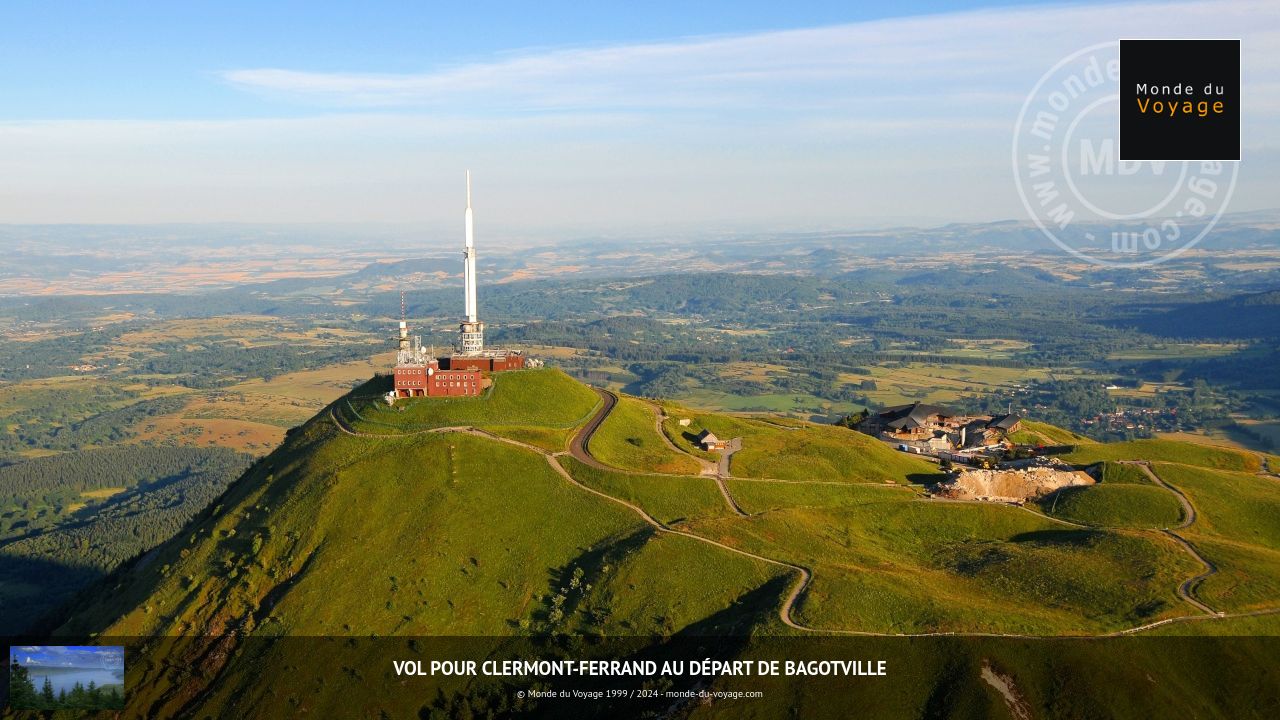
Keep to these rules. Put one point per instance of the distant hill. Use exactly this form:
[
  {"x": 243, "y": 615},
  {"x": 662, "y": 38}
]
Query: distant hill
[{"x": 1254, "y": 315}]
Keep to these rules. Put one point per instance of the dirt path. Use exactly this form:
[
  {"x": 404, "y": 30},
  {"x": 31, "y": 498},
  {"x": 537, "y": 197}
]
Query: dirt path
[
  {"x": 1189, "y": 585},
  {"x": 1266, "y": 469},
  {"x": 705, "y": 466},
  {"x": 803, "y": 574},
  {"x": 731, "y": 447}
]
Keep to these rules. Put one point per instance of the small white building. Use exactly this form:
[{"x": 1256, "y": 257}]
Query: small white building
[{"x": 708, "y": 441}]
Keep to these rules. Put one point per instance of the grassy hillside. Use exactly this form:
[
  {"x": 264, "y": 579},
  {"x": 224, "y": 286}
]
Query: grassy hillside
[
  {"x": 668, "y": 499},
  {"x": 544, "y": 398},
  {"x": 886, "y": 560},
  {"x": 1237, "y": 529},
  {"x": 1115, "y": 473},
  {"x": 627, "y": 439},
  {"x": 803, "y": 451},
  {"x": 1118, "y": 505},
  {"x": 408, "y": 533},
  {"x": 1037, "y": 433},
  {"x": 413, "y": 560},
  {"x": 1166, "y": 451},
  {"x": 1234, "y": 506},
  {"x": 758, "y": 496},
  {"x": 341, "y": 535}
]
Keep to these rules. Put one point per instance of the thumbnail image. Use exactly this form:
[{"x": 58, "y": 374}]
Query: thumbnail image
[{"x": 66, "y": 677}]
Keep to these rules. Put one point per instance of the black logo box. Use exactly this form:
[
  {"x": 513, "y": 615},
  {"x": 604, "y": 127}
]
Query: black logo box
[{"x": 1205, "y": 73}]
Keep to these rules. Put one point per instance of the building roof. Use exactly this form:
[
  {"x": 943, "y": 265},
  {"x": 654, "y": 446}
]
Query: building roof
[
  {"x": 907, "y": 417},
  {"x": 706, "y": 436},
  {"x": 1004, "y": 422}
]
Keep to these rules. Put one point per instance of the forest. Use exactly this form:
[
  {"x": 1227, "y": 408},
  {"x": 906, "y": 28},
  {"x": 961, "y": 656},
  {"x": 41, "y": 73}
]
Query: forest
[
  {"x": 23, "y": 694},
  {"x": 68, "y": 519}
]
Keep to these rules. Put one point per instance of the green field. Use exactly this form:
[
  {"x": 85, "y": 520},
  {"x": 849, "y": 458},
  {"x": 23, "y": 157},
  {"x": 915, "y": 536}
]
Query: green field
[
  {"x": 898, "y": 383},
  {"x": 1119, "y": 505},
  {"x": 758, "y": 496},
  {"x": 1180, "y": 351},
  {"x": 1116, "y": 473},
  {"x": 627, "y": 439}
]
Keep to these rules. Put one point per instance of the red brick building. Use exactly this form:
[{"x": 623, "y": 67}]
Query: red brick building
[
  {"x": 428, "y": 380},
  {"x": 490, "y": 361}
]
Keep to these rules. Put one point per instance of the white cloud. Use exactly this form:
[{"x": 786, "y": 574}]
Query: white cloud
[
  {"x": 961, "y": 56},
  {"x": 901, "y": 120}
]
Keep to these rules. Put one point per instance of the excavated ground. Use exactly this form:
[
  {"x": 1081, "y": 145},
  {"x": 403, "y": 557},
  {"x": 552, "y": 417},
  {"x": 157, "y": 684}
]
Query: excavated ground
[{"x": 1012, "y": 486}]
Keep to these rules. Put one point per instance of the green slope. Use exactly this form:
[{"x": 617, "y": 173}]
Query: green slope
[
  {"x": 800, "y": 451},
  {"x": 668, "y": 499},
  {"x": 1237, "y": 529},
  {"x": 408, "y": 532},
  {"x": 627, "y": 439},
  {"x": 1167, "y": 451},
  {"x": 1118, "y": 505},
  {"x": 380, "y": 535},
  {"x": 885, "y": 560},
  {"x": 544, "y": 398}
]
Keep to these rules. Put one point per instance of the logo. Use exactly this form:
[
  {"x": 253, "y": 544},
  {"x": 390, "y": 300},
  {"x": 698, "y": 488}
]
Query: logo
[{"x": 1082, "y": 196}]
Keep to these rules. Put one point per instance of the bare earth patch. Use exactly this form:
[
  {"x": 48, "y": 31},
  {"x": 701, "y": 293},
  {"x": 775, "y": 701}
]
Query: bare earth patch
[{"x": 1012, "y": 486}]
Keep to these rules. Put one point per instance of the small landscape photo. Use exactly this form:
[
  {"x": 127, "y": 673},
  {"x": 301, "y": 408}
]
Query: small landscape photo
[{"x": 74, "y": 677}]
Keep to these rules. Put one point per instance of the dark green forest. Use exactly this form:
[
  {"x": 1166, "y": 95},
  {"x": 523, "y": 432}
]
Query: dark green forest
[
  {"x": 49, "y": 551},
  {"x": 23, "y": 694}
]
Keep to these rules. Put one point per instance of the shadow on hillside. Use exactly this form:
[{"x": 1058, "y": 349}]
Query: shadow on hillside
[
  {"x": 926, "y": 478},
  {"x": 1074, "y": 538},
  {"x": 746, "y": 613},
  {"x": 1048, "y": 500},
  {"x": 587, "y": 570},
  {"x": 690, "y": 438},
  {"x": 35, "y": 590}
]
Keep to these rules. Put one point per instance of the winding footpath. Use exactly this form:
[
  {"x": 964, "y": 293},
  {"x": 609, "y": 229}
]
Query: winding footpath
[
  {"x": 1188, "y": 586},
  {"x": 579, "y": 449},
  {"x": 722, "y": 468}
]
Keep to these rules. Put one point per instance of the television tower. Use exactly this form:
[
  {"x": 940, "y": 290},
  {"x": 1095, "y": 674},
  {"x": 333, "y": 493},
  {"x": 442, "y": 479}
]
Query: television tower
[{"x": 471, "y": 331}]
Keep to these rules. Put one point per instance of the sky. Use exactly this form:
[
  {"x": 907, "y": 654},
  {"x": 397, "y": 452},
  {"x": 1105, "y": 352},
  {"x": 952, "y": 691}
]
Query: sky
[
  {"x": 109, "y": 657},
  {"x": 574, "y": 118}
]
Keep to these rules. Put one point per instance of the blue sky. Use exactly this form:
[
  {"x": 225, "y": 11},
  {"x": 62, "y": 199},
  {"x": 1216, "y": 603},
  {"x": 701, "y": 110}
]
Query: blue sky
[
  {"x": 106, "y": 656},
  {"x": 576, "y": 118},
  {"x": 147, "y": 60}
]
